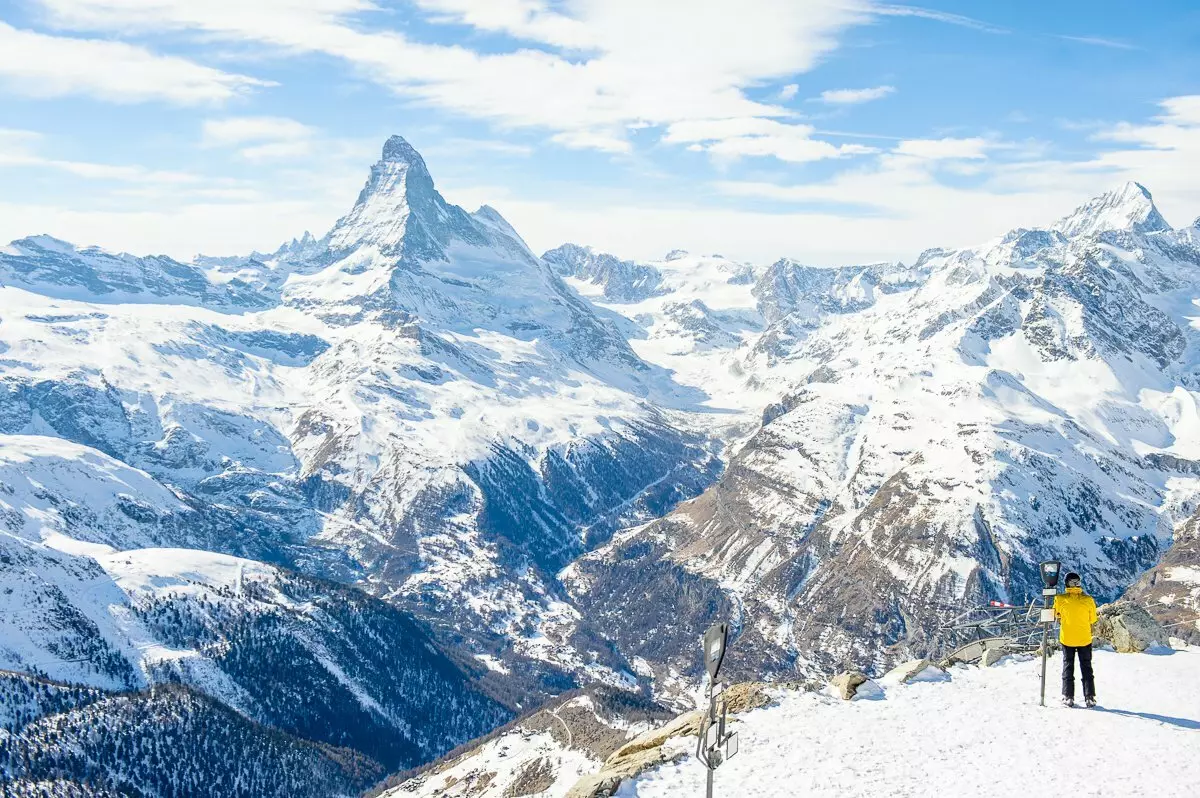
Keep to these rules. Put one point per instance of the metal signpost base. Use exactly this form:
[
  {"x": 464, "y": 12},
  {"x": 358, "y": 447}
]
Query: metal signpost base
[
  {"x": 713, "y": 736},
  {"x": 1049, "y": 571}
]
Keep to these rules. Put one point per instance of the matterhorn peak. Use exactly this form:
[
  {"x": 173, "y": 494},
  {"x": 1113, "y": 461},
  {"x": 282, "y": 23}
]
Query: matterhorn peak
[
  {"x": 397, "y": 150},
  {"x": 1130, "y": 207},
  {"x": 399, "y": 188}
]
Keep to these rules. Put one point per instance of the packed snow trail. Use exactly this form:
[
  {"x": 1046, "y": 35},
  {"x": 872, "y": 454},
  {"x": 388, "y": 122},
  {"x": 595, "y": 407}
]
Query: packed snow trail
[{"x": 982, "y": 733}]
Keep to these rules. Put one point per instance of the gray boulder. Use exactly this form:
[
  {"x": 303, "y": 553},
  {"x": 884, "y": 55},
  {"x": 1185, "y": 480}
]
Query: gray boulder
[
  {"x": 1128, "y": 627},
  {"x": 917, "y": 670},
  {"x": 853, "y": 684}
]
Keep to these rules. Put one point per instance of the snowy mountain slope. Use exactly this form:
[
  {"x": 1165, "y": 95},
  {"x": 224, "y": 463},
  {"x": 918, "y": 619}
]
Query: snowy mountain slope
[
  {"x": 73, "y": 741},
  {"x": 86, "y": 597},
  {"x": 984, "y": 727},
  {"x": 550, "y": 749},
  {"x": 414, "y": 401},
  {"x": 489, "y": 441},
  {"x": 1033, "y": 397},
  {"x": 687, "y": 314},
  {"x": 56, "y": 268}
]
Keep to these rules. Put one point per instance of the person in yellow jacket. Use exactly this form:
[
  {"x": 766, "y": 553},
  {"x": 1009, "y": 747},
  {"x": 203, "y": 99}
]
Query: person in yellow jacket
[{"x": 1076, "y": 612}]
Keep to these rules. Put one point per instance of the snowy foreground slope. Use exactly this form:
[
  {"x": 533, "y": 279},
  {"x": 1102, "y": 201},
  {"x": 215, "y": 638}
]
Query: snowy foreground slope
[
  {"x": 978, "y": 732},
  {"x": 982, "y": 728}
]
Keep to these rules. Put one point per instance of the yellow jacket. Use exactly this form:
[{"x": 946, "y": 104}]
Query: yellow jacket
[{"x": 1076, "y": 611}]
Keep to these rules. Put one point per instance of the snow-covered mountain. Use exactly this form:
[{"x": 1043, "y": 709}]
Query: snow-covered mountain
[
  {"x": 414, "y": 404},
  {"x": 412, "y": 452},
  {"x": 943, "y": 426},
  {"x": 415, "y": 401}
]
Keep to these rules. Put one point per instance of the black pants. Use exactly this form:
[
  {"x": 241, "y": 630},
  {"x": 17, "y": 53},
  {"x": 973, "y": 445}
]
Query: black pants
[{"x": 1085, "y": 669}]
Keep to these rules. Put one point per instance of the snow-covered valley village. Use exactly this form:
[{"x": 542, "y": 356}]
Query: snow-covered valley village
[{"x": 408, "y": 509}]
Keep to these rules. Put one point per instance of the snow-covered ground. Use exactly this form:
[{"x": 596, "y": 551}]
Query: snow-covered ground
[{"x": 981, "y": 733}]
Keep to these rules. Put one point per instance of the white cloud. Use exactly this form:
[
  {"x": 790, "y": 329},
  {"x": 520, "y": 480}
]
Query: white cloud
[
  {"x": 621, "y": 63},
  {"x": 912, "y": 208},
  {"x": 592, "y": 140},
  {"x": 21, "y": 149},
  {"x": 943, "y": 149},
  {"x": 39, "y": 65},
  {"x": 260, "y": 138},
  {"x": 463, "y": 146},
  {"x": 179, "y": 231},
  {"x": 246, "y": 129},
  {"x": 855, "y": 96},
  {"x": 789, "y": 92},
  {"x": 755, "y": 136}
]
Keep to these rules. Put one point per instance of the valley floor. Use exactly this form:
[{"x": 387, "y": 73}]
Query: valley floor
[{"x": 982, "y": 733}]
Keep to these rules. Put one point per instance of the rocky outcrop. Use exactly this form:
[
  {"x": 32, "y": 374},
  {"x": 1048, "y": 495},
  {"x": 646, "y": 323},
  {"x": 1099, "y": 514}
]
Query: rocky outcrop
[
  {"x": 636, "y": 756},
  {"x": 1129, "y": 628},
  {"x": 854, "y": 684},
  {"x": 650, "y": 749},
  {"x": 1170, "y": 591},
  {"x": 916, "y": 670}
]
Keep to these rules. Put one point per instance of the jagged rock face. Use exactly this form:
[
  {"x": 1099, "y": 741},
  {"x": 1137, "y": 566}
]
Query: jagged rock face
[
  {"x": 401, "y": 213},
  {"x": 56, "y": 268},
  {"x": 1129, "y": 208},
  {"x": 995, "y": 407},
  {"x": 1171, "y": 589},
  {"x": 620, "y": 280}
]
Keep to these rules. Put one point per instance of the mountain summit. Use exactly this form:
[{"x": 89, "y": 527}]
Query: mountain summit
[
  {"x": 1131, "y": 207},
  {"x": 401, "y": 213}
]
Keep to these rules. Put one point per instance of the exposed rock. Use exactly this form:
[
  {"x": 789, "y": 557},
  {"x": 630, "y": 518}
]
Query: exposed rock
[
  {"x": 1170, "y": 591},
  {"x": 747, "y": 696},
  {"x": 852, "y": 684},
  {"x": 536, "y": 777},
  {"x": 636, "y": 756},
  {"x": 916, "y": 670},
  {"x": 991, "y": 656},
  {"x": 1128, "y": 627}
]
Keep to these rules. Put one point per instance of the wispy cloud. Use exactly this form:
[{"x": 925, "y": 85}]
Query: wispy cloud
[
  {"x": 260, "y": 138},
  {"x": 855, "y": 96},
  {"x": 21, "y": 149},
  {"x": 944, "y": 149},
  {"x": 1099, "y": 41},
  {"x": 939, "y": 16},
  {"x": 40, "y": 65},
  {"x": 788, "y": 92}
]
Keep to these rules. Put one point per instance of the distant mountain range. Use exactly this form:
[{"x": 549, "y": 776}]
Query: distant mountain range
[{"x": 381, "y": 491}]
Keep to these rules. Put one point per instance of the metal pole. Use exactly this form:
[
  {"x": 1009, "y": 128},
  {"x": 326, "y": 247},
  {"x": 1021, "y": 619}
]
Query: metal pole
[
  {"x": 1048, "y": 595},
  {"x": 712, "y": 718},
  {"x": 1045, "y": 646}
]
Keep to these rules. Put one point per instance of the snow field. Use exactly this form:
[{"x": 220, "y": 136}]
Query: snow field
[{"x": 982, "y": 733}]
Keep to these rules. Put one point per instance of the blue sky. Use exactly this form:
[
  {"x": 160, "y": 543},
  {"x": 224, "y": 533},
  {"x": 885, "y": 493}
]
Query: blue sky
[{"x": 832, "y": 131}]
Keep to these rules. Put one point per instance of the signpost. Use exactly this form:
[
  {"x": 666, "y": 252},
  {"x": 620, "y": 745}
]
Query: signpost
[
  {"x": 1050, "y": 571},
  {"x": 713, "y": 736}
]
